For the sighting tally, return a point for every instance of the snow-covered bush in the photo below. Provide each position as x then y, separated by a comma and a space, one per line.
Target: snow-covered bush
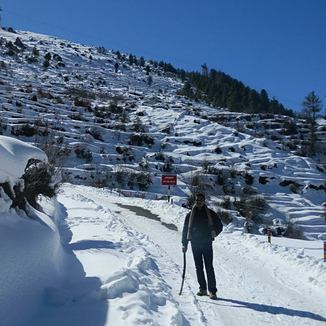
225, 216
95, 133
293, 231
295, 188
248, 191
11, 30
218, 150
24, 174
38, 180
84, 153
197, 183
19, 43
82, 102
12, 49
26, 130
249, 178
251, 207
226, 203
139, 139
143, 180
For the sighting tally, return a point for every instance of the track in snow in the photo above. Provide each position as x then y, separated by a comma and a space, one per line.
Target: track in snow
253, 288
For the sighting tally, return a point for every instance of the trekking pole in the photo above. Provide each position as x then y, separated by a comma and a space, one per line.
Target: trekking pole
184, 272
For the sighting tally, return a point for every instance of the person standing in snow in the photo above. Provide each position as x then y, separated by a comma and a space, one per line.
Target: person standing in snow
201, 226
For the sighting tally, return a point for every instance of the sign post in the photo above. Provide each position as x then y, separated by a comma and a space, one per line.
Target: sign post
324, 251
269, 235
169, 180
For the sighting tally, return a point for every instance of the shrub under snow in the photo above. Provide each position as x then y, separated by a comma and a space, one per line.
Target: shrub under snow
24, 174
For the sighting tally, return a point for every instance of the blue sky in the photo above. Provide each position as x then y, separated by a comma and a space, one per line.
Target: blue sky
278, 45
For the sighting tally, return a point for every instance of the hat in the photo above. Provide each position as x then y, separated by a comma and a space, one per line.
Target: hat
200, 194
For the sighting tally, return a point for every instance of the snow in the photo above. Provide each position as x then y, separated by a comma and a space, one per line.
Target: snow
184, 131
129, 270
94, 257
121, 268
14, 156
31, 259
281, 284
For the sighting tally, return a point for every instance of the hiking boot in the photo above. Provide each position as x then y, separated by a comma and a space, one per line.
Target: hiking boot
212, 295
202, 292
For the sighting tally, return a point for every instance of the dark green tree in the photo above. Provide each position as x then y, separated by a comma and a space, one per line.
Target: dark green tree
131, 59
142, 61
116, 67
311, 107
204, 70
47, 56
136, 61
264, 100
35, 52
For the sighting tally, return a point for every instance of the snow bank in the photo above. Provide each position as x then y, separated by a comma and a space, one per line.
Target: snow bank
38, 269
14, 156
33, 258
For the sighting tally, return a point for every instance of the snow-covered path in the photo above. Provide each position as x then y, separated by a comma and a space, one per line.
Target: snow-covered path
258, 283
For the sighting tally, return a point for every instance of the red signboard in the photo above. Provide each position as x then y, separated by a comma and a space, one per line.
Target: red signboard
169, 180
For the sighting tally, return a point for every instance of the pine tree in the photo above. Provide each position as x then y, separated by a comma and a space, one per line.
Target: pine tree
35, 52
204, 70
116, 67
47, 56
264, 100
142, 61
136, 61
311, 107
253, 101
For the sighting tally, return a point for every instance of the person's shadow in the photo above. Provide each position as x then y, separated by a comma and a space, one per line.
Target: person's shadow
274, 310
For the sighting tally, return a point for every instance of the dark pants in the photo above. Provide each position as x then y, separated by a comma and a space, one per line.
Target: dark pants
204, 252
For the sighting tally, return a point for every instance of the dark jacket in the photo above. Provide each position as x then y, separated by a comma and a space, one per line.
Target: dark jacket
201, 231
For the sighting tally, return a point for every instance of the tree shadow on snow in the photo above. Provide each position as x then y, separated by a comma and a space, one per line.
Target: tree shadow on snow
275, 310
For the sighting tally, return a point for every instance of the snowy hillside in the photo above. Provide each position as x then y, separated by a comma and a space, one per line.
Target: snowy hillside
93, 257
123, 126
124, 268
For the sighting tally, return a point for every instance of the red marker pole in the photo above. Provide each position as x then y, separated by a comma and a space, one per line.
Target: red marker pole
324, 251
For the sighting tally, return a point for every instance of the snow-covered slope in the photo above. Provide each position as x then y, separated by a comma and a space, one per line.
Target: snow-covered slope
123, 131
110, 260
139, 263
